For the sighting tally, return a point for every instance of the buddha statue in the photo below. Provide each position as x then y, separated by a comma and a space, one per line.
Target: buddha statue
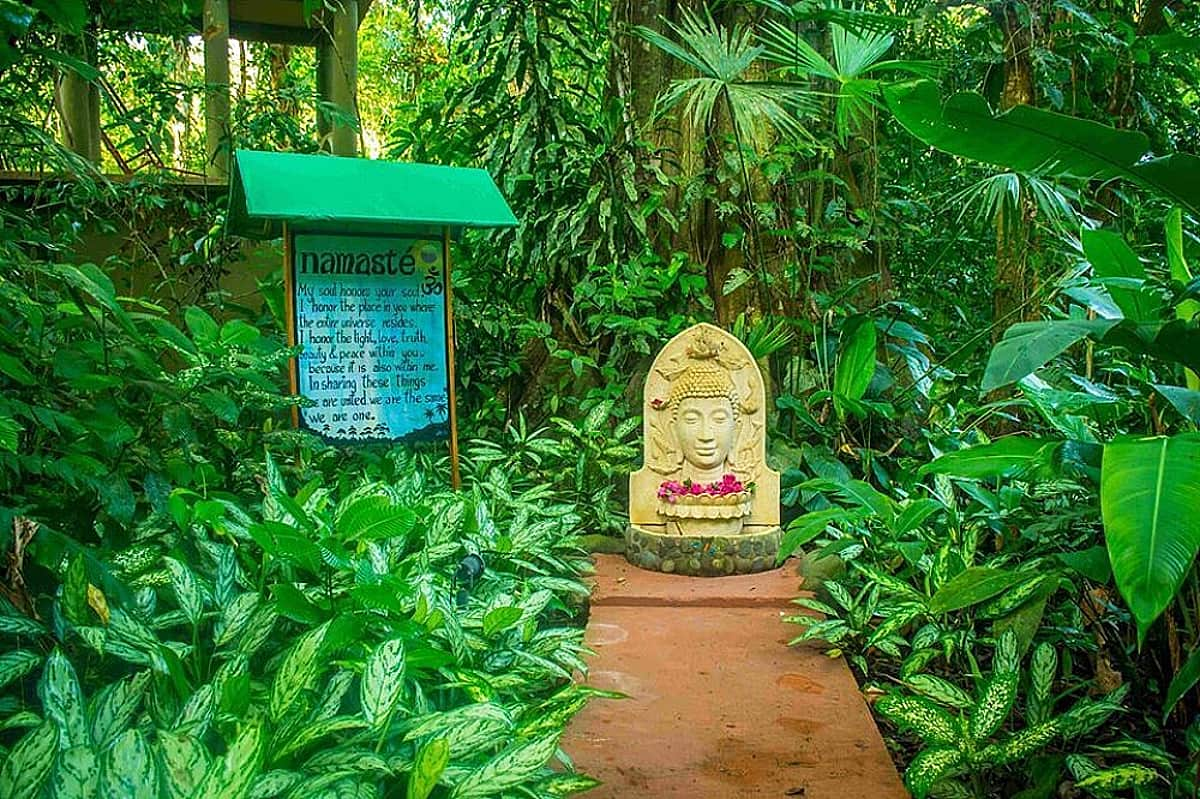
705, 473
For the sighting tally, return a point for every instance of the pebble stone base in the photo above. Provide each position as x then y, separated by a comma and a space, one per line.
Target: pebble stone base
702, 556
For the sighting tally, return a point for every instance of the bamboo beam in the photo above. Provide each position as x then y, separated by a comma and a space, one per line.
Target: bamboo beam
343, 76
325, 61
215, 31
78, 104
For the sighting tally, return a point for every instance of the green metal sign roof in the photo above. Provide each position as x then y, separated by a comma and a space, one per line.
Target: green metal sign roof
328, 193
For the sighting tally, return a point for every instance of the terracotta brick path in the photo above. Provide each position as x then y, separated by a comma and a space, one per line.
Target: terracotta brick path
718, 705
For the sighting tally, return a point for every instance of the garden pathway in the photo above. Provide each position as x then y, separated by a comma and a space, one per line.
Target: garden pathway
718, 705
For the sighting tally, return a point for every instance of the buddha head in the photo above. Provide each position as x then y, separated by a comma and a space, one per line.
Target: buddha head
699, 422
704, 407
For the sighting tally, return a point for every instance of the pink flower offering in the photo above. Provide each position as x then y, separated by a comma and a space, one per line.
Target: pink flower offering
728, 485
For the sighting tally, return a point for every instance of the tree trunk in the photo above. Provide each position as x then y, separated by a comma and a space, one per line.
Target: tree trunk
638, 74
1015, 283
857, 163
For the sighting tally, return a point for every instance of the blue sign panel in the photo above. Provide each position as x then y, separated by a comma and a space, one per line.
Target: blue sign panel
371, 317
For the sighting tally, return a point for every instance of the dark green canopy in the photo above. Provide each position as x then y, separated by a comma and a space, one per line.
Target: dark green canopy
324, 193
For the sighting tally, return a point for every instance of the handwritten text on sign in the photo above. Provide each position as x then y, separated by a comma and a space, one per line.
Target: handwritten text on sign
371, 316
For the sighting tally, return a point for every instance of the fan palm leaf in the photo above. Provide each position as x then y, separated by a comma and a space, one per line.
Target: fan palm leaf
1004, 195
723, 58
857, 56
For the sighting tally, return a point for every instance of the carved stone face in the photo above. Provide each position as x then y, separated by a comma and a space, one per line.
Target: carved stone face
706, 428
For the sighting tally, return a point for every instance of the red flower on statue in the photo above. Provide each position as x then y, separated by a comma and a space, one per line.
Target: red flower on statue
672, 490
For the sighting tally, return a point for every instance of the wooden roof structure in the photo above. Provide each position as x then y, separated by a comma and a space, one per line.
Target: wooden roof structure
281, 21
331, 27
271, 21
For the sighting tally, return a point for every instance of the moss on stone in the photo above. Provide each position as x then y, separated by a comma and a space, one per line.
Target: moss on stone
708, 556
604, 544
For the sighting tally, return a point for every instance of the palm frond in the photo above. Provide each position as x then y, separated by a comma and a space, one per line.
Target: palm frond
855, 53
765, 337
723, 57
830, 11
1004, 196
788, 48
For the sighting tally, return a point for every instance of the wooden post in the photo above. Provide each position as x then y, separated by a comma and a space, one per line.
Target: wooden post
451, 398
215, 31
78, 102
325, 62
342, 65
289, 311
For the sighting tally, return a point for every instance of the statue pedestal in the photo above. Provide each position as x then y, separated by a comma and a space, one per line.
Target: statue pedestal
752, 550
705, 503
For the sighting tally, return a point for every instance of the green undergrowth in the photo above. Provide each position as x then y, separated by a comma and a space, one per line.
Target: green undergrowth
392, 638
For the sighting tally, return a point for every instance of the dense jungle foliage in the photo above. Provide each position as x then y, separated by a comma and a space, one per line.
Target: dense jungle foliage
956, 235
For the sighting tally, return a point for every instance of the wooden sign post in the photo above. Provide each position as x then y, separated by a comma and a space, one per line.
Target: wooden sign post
367, 293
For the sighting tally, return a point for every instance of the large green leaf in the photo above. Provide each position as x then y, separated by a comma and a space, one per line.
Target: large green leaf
856, 363
1033, 140
930, 766
939, 690
971, 587
201, 325
1177, 176
913, 513
935, 726
188, 591
231, 776
129, 769
500, 619
467, 729
1027, 346
374, 517
71, 15
857, 492
183, 761
76, 774
998, 694
805, 528
113, 707
1003, 458
16, 664
1185, 679
1043, 666
1092, 563
1112, 258
299, 670
1184, 400
1149, 496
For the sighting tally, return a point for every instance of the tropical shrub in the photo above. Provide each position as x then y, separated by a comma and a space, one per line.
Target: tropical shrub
320, 646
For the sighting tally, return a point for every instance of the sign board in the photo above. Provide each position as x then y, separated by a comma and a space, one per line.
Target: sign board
366, 288
371, 314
